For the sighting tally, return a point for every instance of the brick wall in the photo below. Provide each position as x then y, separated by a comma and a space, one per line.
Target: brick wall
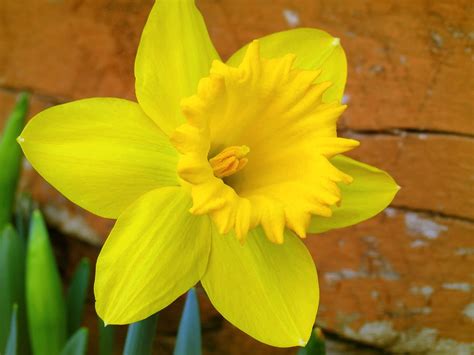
403, 280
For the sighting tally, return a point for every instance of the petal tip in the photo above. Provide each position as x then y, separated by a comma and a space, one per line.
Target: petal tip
336, 41
302, 343
20, 140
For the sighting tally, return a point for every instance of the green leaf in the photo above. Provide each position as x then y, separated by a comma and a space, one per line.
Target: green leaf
106, 339
188, 341
77, 343
12, 281
45, 303
371, 191
23, 211
140, 337
10, 159
316, 345
76, 295
12, 343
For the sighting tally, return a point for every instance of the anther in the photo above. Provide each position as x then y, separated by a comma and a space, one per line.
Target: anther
229, 161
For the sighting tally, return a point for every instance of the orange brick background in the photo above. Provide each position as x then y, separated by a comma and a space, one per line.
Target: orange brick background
402, 281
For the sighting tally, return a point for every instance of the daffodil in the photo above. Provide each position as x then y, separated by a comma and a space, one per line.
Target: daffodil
215, 174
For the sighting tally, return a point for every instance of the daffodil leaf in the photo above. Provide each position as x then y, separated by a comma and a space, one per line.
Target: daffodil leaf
106, 338
12, 276
10, 158
188, 341
23, 211
175, 52
77, 343
371, 191
44, 299
315, 346
140, 337
12, 342
314, 49
76, 295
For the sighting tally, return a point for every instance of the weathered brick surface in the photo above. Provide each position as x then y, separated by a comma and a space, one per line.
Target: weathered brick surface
409, 61
407, 269
402, 280
435, 171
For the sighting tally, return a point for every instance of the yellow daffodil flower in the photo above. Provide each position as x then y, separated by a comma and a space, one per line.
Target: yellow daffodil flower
214, 175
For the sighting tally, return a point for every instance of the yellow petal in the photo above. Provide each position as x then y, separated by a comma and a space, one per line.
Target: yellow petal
175, 52
102, 154
314, 49
370, 192
270, 291
155, 253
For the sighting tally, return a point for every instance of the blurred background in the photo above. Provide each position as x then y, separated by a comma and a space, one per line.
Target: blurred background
402, 281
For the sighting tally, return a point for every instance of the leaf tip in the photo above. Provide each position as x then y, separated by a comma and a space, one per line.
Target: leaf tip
23, 96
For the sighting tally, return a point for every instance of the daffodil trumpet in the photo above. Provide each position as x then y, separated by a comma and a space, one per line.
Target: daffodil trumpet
215, 174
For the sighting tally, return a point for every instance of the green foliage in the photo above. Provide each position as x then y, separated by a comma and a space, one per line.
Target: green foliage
47, 316
106, 338
12, 247
77, 343
10, 159
44, 299
140, 337
12, 342
316, 345
76, 295
188, 341
23, 210
12, 275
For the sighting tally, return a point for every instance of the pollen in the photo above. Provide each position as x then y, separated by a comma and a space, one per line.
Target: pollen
230, 161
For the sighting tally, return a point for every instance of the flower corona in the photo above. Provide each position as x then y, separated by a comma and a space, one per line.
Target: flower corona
250, 110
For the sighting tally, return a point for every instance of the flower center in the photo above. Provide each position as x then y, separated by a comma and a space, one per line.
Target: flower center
281, 113
229, 161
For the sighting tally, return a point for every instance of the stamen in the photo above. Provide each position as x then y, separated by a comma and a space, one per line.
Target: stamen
229, 161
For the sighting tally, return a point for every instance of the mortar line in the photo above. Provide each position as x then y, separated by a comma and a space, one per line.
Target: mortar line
401, 132
432, 213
